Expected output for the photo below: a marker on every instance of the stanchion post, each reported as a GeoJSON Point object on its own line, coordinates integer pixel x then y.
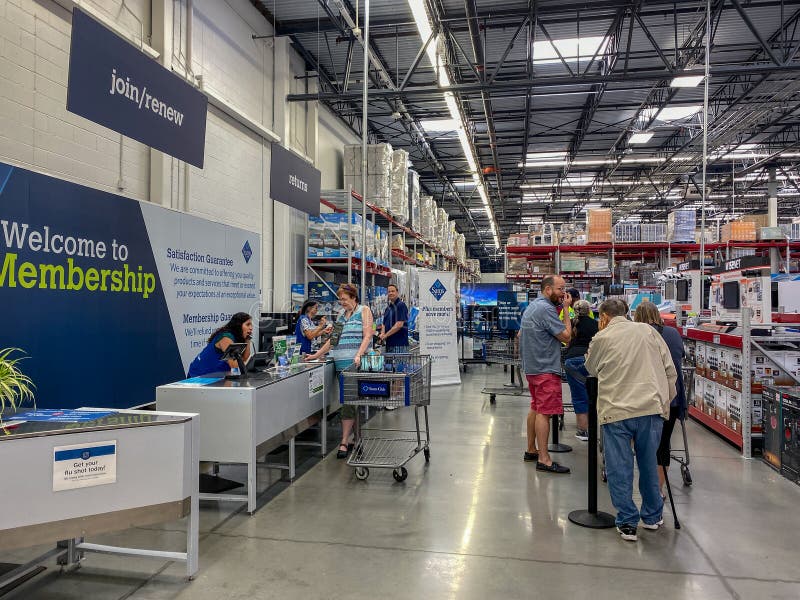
{"type": "Point", "coordinates": [555, 446]}
{"type": "Point", "coordinates": [591, 517]}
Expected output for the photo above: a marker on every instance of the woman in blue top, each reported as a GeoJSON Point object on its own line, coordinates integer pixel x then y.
{"type": "Point", "coordinates": [238, 330]}
{"type": "Point", "coordinates": [355, 323]}
{"type": "Point", "coordinates": [306, 330]}
{"type": "Point", "coordinates": [647, 312]}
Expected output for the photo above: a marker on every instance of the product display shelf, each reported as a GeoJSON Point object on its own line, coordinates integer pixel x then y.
{"type": "Point", "coordinates": [341, 264]}
{"type": "Point", "coordinates": [337, 201]}
{"type": "Point", "coordinates": [745, 343]}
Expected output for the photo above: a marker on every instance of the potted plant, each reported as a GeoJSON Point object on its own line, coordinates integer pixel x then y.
{"type": "Point", "coordinates": [15, 386]}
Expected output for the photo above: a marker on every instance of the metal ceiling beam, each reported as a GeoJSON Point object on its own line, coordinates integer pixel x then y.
{"type": "Point", "coordinates": [523, 85]}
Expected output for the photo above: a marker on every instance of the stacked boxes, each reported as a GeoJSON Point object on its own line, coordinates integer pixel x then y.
{"type": "Point", "coordinates": [441, 227]}
{"type": "Point", "coordinates": [328, 235]}
{"type": "Point", "coordinates": [542, 234]}
{"type": "Point", "coordinates": [413, 201]}
{"type": "Point", "coordinates": [681, 225]}
{"type": "Point", "coordinates": [379, 167]}
{"type": "Point", "coordinates": [574, 263]}
{"type": "Point", "coordinates": [427, 218]}
{"type": "Point", "coordinates": [771, 233]}
{"type": "Point", "coordinates": [598, 224]}
{"type": "Point", "coordinates": [517, 265]}
{"type": "Point", "coordinates": [518, 239]}
{"type": "Point", "coordinates": [398, 186]}
{"type": "Point", "coordinates": [571, 234]}
{"type": "Point", "coordinates": [597, 264]}
{"type": "Point", "coordinates": [627, 232]}
{"type": "Point", "coordinates": [739, 231]}
{"type": "Point", "coordinates": [653, 232]}
{"type": "Point", "coordinates": [461, 248]}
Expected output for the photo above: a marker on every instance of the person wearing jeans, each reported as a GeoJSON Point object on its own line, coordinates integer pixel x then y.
{"type": "Point", "coordinates": [584, 328]}
{"type": "Point", "coordinates": [636, 383]}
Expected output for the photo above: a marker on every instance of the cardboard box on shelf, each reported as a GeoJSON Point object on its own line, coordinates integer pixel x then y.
{"type": "Point", "coordinates": [699, 388]}
{"type": "Point", "coordinates": [518, 239]}
{"type": "Point", "coordinates": [712, 363]}
{"type": "Point", "coordinates": [721, 404]}
{"type": "Point", "coordinates": [598, 225]}
{"type": "Point", "coordinates": [739, 231]}
{"type": "Point", "coordinates": [734, 417]}
{"type": "Point", "coordinates": [573, 263]}
{"type": "Point", "coordinates": [701, 358]}
{"type": "Point", "coordinates": [681, 225]}
{"type": "Point", "coordinates": [710, 398]}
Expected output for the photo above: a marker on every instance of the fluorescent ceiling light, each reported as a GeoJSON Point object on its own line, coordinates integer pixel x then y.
{"type": "Point", "coordinates": [440, 125]}
{"type": "Point", "coordinates": [674, 113]}
{"type": "Point", "coordinates": [640, 138]}
{"type": "Point", "coordinates": [570, 49]}
{"type": "Point", "coordinates": [544, 156]}
{"type": "Point", "coordinates": [420, 13]}
{"type": "Point", "coordinates": [687, 81]}
{"type": "Point", "coordinates": [643, 160]}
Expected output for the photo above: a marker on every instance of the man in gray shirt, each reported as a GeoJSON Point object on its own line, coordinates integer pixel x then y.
{"type": "Point", "coordinates": [541, 335]}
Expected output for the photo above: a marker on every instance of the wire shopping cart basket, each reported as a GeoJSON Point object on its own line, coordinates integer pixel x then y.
{"type": "Point", "coordinates": [504, 351]}
{"type": "Point", "coordinates": [402, 380]}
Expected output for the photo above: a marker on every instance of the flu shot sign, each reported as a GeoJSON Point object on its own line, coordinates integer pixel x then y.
{"type": "Point", "coordinates": [84, 465]}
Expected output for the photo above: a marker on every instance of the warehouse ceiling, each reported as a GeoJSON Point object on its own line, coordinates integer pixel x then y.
{"type": "Point", "coordinates": [539, 110]}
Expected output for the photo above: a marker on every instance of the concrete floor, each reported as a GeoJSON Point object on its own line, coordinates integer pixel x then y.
{"type": "Point", "coordinates": [476, 522]}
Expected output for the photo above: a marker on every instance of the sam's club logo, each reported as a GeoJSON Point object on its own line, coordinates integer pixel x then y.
{"type": "Point", "coordinates": [247, 251]}
{"type": "Point", "coordinates": [438, 290]}
{"type": "Point", "coordinates": [85, 455]}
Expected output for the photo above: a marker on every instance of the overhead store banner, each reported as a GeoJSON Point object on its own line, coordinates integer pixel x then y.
{"type": "Point", "coordinates": [113, 83]}
{"type": "Point", "coordinates": [294, 181]}
{"type": "Point", "coordinates": [437, 324]}
{"type": "Point", "coordinates": [110, 297]}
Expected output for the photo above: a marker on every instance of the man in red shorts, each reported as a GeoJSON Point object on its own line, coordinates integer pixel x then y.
{"type": "Point", "coordinates": [541, 335]}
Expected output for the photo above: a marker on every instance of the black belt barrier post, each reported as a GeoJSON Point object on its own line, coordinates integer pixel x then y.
{"type": "Point", "coordinates": [555, 446]}
{"type": "Point", "coordinates": [592, 517]}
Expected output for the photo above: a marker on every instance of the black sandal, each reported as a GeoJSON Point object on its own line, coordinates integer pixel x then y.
{"type": "Point", "coordinates": [342, 453]}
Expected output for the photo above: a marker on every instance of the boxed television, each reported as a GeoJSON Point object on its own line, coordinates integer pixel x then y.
{"type": "Point", "coordinates": [710, 398]}
{"type": "Point", "coordinates": [699, 389]}
{"type": "Point", "coordinates": [721, 404]}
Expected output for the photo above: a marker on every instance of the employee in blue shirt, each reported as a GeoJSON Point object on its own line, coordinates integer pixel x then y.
{"type": "Point", "coordinates": [394, 330]}
{"type": "Point", "coordinates": [236, 331]}
{"type": "Point", "coordinates": [306, 330]}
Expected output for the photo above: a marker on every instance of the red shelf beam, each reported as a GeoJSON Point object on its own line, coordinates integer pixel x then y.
{"type": "Point", "coordinates": [710, 422]}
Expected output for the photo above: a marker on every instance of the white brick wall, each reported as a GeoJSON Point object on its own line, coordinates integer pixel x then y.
{"type": "Point", "coordinates": [333, 135]}
{"type": "Point", "coordinates": [37, 132]}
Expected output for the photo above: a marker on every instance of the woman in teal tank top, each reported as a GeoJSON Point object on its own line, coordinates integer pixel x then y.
{"type": "Point", "coordinates": [354, 329]}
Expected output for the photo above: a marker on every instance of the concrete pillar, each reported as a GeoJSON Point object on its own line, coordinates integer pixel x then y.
{"type": "Point", "coordinates": [312, 117]}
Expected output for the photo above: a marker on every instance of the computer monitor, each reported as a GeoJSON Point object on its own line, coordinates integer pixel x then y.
{"type": "Point", "coordinates": [730, 294]}
{"type": "Point", "coordinates": [616, 289]}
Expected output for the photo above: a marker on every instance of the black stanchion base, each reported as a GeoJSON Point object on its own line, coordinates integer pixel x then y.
{"type": "Point", "coordinates": [558, 448]}
{"type": "Point", "coordinates": [598, 520]}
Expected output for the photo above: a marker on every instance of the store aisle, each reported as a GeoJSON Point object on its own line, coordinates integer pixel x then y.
{"type": "Point", "coordinates": [477, 522]}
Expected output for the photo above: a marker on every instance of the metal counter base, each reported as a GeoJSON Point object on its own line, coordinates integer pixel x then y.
{"type": "Point", "coordinates": [241, 421]}
{"type": "Point", "coordinates": [155, 482]}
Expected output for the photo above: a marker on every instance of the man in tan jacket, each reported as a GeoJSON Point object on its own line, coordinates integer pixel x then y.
{"type": "Point", "coordinates": [636, 382]}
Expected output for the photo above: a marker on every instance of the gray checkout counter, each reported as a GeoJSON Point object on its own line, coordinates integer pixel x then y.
{"type": "Point", "coordinates": [243, 420]}
{"type": "Point", "coordinates": [64, 482]}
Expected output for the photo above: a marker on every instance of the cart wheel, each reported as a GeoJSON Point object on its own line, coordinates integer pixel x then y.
{"type": "Point", "coordinates": [400, 474]}
{"type": "Point", "coordinates": [603, 475]}
{"type": "Point", "coordinates": [427, 453]}
{"type": "Point", "coordinates": [686, 475]}
{"type": "Point", "coordinates": [362, 473]}
{"type": "Point", "coordinates": [491, 398]}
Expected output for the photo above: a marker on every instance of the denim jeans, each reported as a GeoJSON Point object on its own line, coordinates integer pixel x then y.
{"type": "Point", "coordinates": [646, 435]}
{"type": "Point", "coordinates": [577, 389]}
{"type": "Point", "coordinates": [396, 349]}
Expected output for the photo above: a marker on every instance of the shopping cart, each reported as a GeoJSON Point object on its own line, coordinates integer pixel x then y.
{"type": "Point", "coordinates": [504, 351]}
{"type": "Point", "coordinates": [404, 381]}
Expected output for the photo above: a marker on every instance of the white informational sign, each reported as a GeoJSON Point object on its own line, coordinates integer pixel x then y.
{"type": "Point", "coordinates": [84, 465]}
{"type": "Point", "coordinates": [316, 381]}
{"type": "Point", "coordinates": [209, 271]}
{"type": "Point", "coordinates": [437, 324]}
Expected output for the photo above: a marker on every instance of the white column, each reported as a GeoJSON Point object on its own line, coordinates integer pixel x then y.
{"type": "Point", "coordinates": [160, 163]}
{"type": "Point", "coordinates": [772, 217]}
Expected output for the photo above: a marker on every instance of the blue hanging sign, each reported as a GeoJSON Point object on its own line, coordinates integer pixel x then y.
{"type": "Point", "coordinates": [111, 82]}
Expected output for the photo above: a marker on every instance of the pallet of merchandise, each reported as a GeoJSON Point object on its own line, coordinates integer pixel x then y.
{"type": "Point", "coordinates": [627, 232]}
{"type": "Point", "coordinates": [681, 224]}
{"type": "Point", "coordinates": [739, 231]}
{"type": "Point", "coordinates": [598, 225]}
{"type": "Point", "coordinates": [653, 232]}
{"type": "Point", "coordinates": [573, 263]}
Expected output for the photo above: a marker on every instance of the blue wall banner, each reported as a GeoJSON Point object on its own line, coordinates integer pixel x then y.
{"type": "Point", "coordinates": [294, 181]}
{"type": "Point", "coordinates": [110, 297]}
{"type": "Point", "coordinates": [111, 82]}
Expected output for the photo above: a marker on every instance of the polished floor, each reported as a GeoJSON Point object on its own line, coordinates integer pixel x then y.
{"type": "Point", "coordinates": [476, 522]}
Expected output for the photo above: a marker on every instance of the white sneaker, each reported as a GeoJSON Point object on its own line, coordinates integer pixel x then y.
{"type": "Point", "coordinates": [653, 526]}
